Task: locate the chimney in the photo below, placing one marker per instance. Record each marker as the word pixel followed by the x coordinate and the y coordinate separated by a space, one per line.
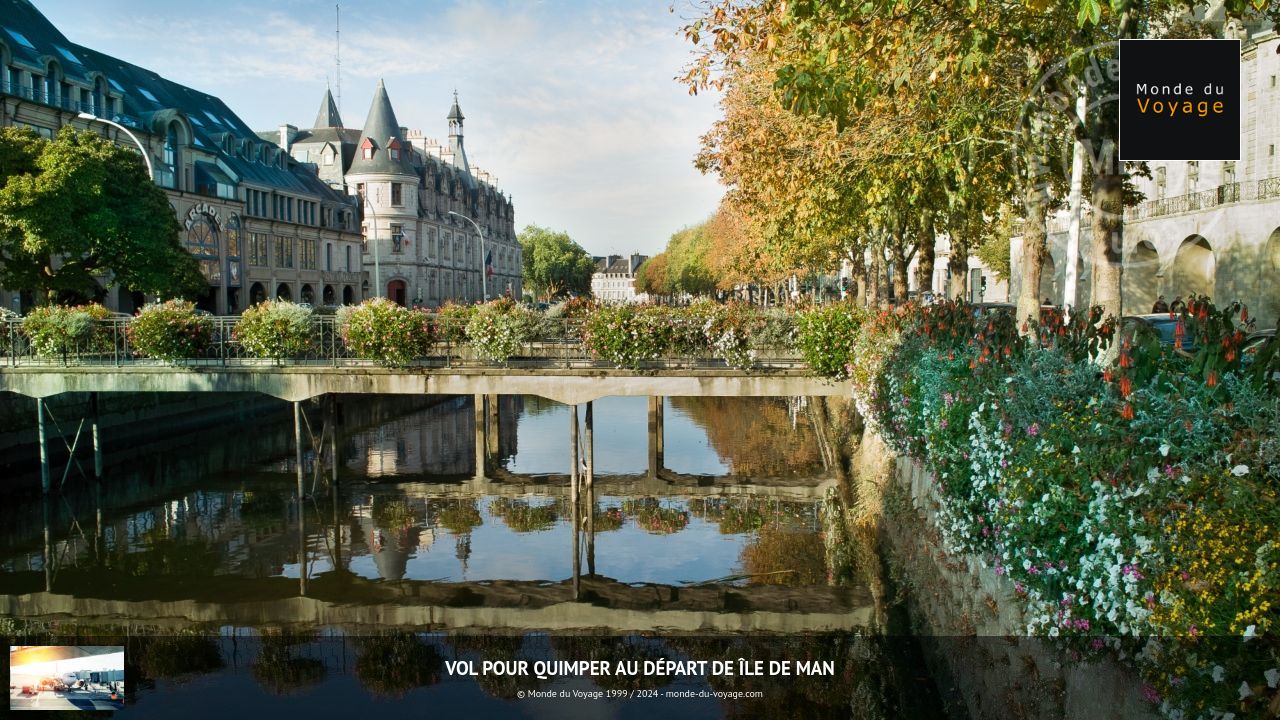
pixel 287 134
pixel 636 261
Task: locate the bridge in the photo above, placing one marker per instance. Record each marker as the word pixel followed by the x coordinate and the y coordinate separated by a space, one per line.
pixel 557 366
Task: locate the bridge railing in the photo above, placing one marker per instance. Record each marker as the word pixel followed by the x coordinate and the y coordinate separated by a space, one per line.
pixel 557 343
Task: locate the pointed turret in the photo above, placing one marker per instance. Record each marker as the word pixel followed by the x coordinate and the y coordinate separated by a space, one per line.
pixel 328 116
pixel 381 149
pixel 455 141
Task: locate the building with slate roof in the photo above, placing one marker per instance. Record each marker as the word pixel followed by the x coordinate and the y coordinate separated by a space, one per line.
pixel 262 224
pixel 417 253
pixel 614 280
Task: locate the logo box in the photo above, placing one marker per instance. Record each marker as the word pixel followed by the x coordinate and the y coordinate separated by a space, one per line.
pixel 1180 100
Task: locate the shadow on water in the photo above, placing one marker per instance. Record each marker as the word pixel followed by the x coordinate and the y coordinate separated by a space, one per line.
pixel 731 542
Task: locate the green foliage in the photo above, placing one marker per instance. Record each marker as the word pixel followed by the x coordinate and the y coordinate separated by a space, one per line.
pixel 452 319
pixel 8 321
pixel 383 331
pixel 522 516
pixel 56 331
pixel 627 335
pixel 651 277
pixel 825 336
pixel 275 329
pixel 78 207
pixel 554 265
pixel 1126 504
pixel 170 331
pixel 499 328
pixel 994 253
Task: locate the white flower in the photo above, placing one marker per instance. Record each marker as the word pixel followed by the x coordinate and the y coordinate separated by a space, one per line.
pixel 1245 690
pixel 1240 470
pixel 1164 450
pixel 1219 673
pixel 1250 633
pixel 1273 677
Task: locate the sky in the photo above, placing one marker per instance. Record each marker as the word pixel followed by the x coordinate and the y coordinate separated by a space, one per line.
pixel 571 105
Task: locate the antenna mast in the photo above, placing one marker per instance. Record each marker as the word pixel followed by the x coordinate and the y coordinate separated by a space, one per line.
pixel 337 50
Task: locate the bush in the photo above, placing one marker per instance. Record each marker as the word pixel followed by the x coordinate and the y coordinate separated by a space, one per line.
pixel 170 331
pixel 627 335
pixel 498 329
pixel 56 331
pixel 1133 505
pixel 728 330
pixel 452 320
pixel 380 330
pixel 275 329
pixel 825 337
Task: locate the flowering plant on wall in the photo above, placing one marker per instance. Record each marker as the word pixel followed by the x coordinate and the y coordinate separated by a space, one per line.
pixel 1131 504
pixel 275 329
pixel 383 331
pixel 498 329
pixel 170 331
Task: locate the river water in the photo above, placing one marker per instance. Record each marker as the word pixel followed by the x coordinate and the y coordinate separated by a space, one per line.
pixel 701 539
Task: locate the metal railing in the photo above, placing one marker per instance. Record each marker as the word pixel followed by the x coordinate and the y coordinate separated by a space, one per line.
pixel 1225 194
pixel 556 344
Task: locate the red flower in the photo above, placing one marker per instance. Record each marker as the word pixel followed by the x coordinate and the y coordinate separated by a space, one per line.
pixel 1212 380
pixel 1126 386
pixel 1126 412
pixel 1107 375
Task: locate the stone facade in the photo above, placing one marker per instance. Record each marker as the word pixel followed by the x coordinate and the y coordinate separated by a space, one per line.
pixel 261 224
pixel 419 200
pixel 1209 228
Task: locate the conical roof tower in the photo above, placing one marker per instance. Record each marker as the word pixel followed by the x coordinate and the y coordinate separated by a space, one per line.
pixel 381 149
pixel 328 116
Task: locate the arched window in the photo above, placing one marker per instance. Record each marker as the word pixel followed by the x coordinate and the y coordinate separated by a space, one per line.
pixel 202 237
pixel 171 146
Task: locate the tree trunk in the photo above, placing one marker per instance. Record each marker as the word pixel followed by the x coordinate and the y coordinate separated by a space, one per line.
pixel 924 269
pixel 1034 234
pixel 875 272
pixel 1108 242
pixel 958 264
pixel 901 277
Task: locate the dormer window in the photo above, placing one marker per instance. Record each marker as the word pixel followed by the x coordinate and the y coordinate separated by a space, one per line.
pixel 393 147
pixel 366 149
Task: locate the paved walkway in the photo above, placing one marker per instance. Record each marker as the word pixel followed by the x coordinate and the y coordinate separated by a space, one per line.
pixel 63 700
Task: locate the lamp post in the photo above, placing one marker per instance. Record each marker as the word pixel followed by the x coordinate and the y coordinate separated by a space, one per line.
pixel 484 269
pixel 146 158
pixel 377 266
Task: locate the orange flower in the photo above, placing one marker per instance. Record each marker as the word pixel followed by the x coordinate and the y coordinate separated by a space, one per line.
pixel 1212 380
pixel 1126 412
pixel 1126 386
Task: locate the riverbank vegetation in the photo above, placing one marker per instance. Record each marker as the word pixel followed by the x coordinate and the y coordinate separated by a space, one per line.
pixel 1132 505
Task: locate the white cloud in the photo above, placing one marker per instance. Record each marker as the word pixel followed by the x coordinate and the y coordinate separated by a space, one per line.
pixel 572 106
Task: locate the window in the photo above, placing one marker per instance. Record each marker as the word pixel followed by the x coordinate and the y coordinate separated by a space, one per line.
pixel 147 94
pixel 397 238
pixel 258 250
pixel 1228 172
pixel 284 252
pixel 328 257
pixel 1160 182
pixel 397 194
pixel 70 56
pixel 171 147
pixel 22 39
pixel 348 258
pixel 202 238
pixel 119 88
pixel 328 156
pixel 307 255
pixel 233 237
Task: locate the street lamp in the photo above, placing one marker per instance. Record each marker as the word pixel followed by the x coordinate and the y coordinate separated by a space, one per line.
pixel 146 158
pixel 484 269
pixel 377 266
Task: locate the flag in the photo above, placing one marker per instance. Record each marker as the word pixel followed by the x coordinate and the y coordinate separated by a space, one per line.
pixel 488 264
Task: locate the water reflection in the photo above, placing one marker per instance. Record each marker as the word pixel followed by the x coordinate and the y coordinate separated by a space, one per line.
pixel 319 585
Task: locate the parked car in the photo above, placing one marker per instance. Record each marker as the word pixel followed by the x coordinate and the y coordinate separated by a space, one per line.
pixel 1252 344
pixel 989 308
pixel 1165 325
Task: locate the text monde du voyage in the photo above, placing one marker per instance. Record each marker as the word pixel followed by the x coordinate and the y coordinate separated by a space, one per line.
pixel 1179 99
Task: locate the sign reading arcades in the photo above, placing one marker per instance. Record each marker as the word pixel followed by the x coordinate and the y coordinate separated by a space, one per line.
pixel 1180 100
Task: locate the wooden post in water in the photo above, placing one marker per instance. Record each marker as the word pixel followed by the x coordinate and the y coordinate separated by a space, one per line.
pixel 480 444
pixel 590 448
pixel 297 444
pixel 44 448
pixel 654 404
pixel 97 439
pixel 493 426
pixel 573 446
pixel 591 530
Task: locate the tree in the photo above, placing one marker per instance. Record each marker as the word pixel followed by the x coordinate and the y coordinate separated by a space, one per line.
pixel 79 212
pixel 651 276
pixel 554 264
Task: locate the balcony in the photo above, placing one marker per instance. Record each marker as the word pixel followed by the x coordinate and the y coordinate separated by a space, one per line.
pixel 1226 194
